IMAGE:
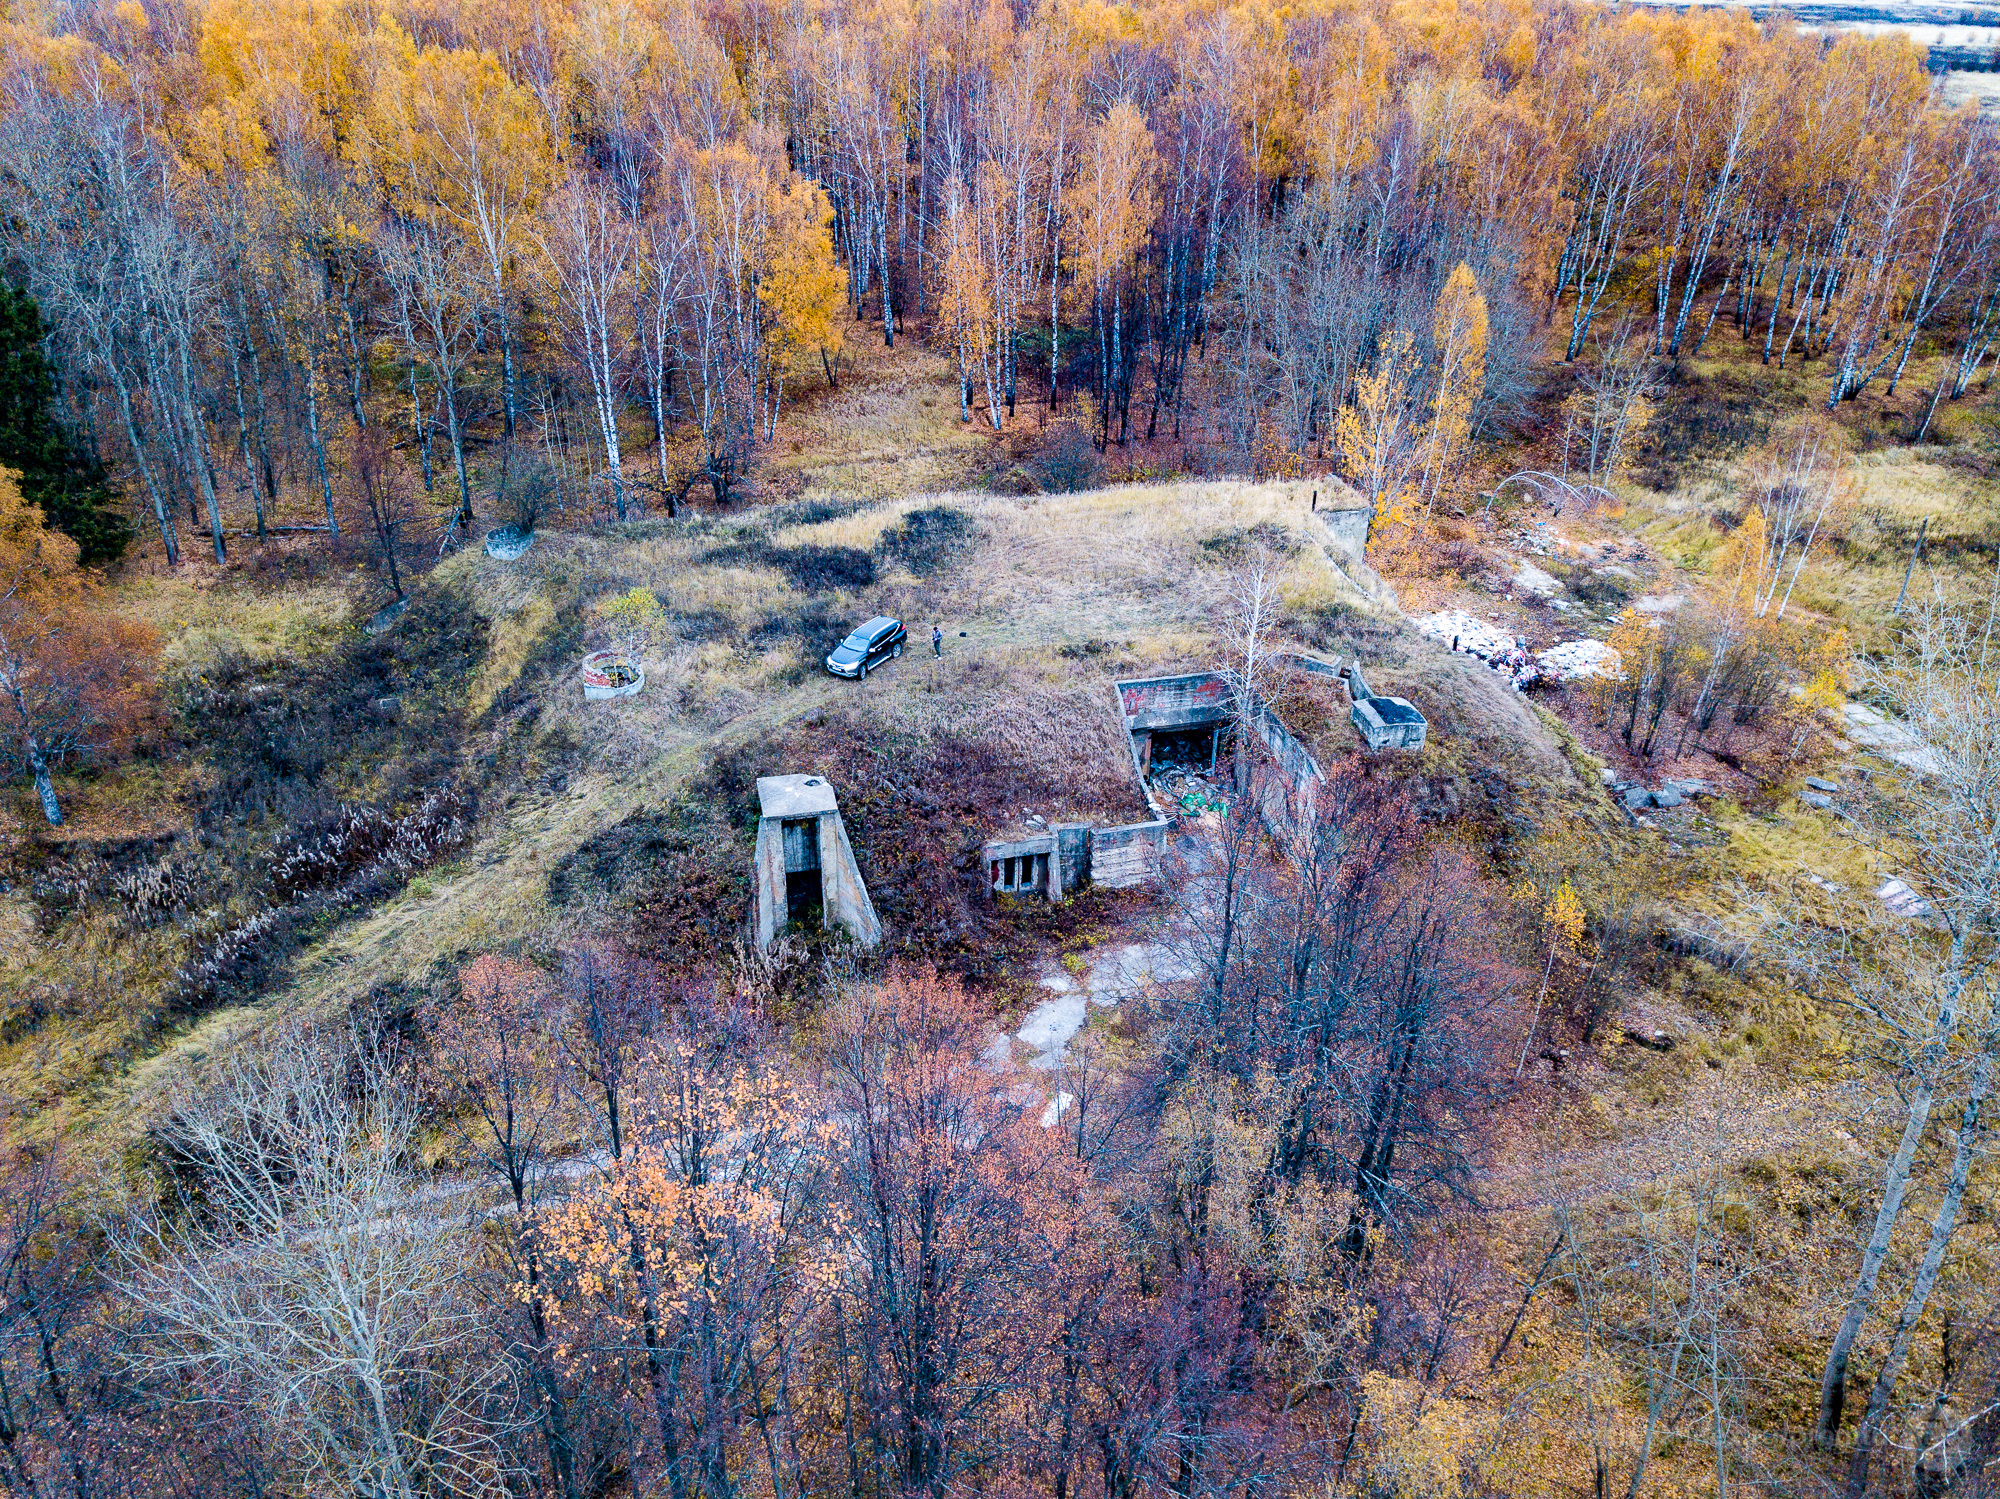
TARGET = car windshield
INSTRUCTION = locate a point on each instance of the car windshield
(860, 640)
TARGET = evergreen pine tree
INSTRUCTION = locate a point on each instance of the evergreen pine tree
(57, 472)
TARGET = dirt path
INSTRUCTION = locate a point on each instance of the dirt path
(1718, 1130)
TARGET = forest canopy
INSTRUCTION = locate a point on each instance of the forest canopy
(257, 227)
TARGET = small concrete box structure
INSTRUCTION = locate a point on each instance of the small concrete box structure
(1389, 723)
(1025, 867)
(804, 862)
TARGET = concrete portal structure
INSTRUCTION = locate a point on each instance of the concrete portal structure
(805, 867)
(1187, 719)
(1179, 720)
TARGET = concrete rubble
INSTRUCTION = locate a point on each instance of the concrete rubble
(1901, 899)
(1575, 660)
(1505, 653)
(1532, 579)
(1872, 730)
(508, 543)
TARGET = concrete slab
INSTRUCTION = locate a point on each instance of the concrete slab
(794, 796)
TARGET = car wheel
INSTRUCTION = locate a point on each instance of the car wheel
(862, 675)
(895, 650)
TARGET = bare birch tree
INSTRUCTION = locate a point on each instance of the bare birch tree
(1923, 983)
(292, 1282)
(588, 254)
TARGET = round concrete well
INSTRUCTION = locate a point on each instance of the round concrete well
(611, 674)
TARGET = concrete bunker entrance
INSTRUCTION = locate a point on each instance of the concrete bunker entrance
(1021, 874)
(804, 866)
(804, 896)
(1196, 746)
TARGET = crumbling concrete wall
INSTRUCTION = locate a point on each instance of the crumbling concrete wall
(1288, 796)
(1127, 856)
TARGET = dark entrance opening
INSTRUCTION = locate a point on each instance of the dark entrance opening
(803, 896)
(1196, 747)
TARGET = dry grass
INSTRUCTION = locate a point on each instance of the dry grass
(1123, 565)
(1860, 557)
(890, 428)
(199, 617)
(514, 635)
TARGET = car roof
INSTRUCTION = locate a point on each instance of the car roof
(875, 625)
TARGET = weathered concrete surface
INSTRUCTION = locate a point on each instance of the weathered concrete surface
(794, 796)
(1113, 976)
(1127, 856)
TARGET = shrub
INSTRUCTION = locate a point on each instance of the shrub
(819, 569)
(807, 619)
(1069, 460)
(1236, 543)
(1593, 587)
(813, 569)
(929, 541)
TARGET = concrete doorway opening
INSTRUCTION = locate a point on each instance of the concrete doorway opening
(804, 897)
(1196, 747)
(1021, 874)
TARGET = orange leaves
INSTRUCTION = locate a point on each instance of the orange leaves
(708, 1214)
(450, 130)
(1458, 334)
(73, 677)
(801, 288)
(1116, 195)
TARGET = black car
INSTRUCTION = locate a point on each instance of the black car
(877, 641)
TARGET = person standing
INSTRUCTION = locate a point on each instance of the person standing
(937, 640)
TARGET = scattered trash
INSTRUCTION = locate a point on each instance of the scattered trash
(1505, 653)
(1189, 794)
(1472, 634)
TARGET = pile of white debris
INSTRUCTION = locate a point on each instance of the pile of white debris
(1499, 650)
(1471, 634)
(1574, 660)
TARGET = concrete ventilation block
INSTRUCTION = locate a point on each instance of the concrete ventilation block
(804, 866)
(1389, 723)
